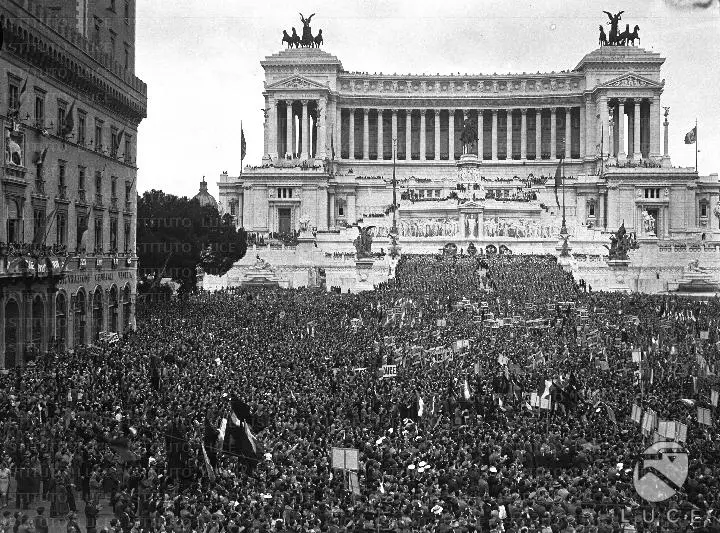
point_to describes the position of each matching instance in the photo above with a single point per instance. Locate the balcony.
(62, 192)
(82, 197)
(98, 200)
(39, 187)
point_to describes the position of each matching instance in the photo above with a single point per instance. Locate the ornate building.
(70, 106)
(331, 137)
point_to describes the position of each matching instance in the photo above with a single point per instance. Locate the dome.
(204, 197)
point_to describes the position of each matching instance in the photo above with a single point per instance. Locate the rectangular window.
(233, 208)
(703, 209)
(113, 141)
(113, 187)
(13, 95)
(81, 179)
(98, 134)
(80, 229)
(98, 183)
(127, 57)
(61, 229)
(81, 128)
(113, 39)
(128, 149)
(14, 230)
(128, 191)
(61, 110)
(113, 234)
(98, 234)
(290, 193)
(38, 226)
(40, 110)
(126, 240)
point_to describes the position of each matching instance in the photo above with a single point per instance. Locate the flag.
(208, 466)
(558, 181)
(691, 136)
(118, 140)
(238, 437)
(243, 145)
(40, 159)
(421, 406)
(332, 144)
(611, 414)
(69, 124)
(466, 390)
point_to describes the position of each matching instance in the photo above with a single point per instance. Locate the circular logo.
(661, 472)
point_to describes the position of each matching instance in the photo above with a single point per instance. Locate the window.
(113, 234)
(113, 39)
(98, 183)
(40, 110)
(126, 240)
(13, 94)
(591, 210)
(98, 234)
(703, 209)
(62, 188)
(81, 228)
(98, 134)
(81, 179)
(127, 57)
(128, 191)
(652, 193)
(233, 208)
(61, 229)
(128, 152)
(113, 141)
(81, 127)
(113, 187)
(38, 225)
(61, 111)
(341, 210)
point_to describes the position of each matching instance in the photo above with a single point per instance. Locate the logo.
(661, 472)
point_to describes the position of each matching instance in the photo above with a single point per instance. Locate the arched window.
(113, 309)
(97, 313)
(79, 319)
(60, 321)
(126, 307)
(12, 334)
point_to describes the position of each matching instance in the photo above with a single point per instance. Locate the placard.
(681, 432)
(636, 356)
(704, 416)
(636, 414)
(714, 396)
(345, 458)
(389, 371)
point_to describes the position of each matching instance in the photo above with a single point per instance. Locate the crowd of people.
(449, 440)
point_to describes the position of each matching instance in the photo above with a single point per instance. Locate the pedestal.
(363, 269)
(469, 158)
(618, 269)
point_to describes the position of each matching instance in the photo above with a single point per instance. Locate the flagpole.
(696, 146)
(242, 155)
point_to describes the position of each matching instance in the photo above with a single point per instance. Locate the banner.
(389, 371)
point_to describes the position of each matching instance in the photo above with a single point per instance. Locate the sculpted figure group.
(307, 40)
(618, 38)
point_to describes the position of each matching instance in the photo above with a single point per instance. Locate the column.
(636, 131)
(568, 133)
(654, 127)
(408, 134)
(366, 134)
(422, 135)
(451, 135)
(322, 127)
(508, 123)
(272, 135)
(494, 134)
(583, 118)
(553, 133)
(351, 134)
(331, 199)
(462, 225)
(380, 143)
(538, 134)
(337, 131)
(605, 125)
(241, 209)
(266, 128)
(289, 129)
(622, 156)
(666, 125)
(437, 135)
(523, 134)
(480, 140)
(305, 129)
(394, 134)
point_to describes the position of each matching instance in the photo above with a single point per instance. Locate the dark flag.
(691, 136)
(241, 410)
(40, 159)
(240, 441)
(69, 124)
(332, 145)
(118, 141)
(243, 145)
(558, 181)
(177, 451)
(120, 446)
(210, 439)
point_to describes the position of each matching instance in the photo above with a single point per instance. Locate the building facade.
(330, 138)
(70, 106)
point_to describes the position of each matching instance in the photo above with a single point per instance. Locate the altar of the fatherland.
(334, 139)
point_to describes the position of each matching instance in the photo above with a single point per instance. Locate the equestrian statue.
(617, 38)
(469, 135)
(307, 40)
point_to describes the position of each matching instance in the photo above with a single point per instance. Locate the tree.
(176, 235)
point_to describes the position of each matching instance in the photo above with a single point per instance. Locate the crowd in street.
(450, 440)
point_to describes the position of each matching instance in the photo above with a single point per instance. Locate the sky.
(201, 61)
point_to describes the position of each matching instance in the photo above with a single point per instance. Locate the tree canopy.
(175, 235)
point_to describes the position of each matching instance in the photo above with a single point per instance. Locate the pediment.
(631, 81)
(296, 82)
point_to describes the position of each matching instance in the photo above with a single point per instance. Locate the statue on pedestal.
(363, 242)
(648, 223)
(620, 244)
(469, 135)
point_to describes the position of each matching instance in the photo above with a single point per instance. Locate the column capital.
(437, 112)
(366, 111)
(394, 111)
(351, 109)
(304, 102)
(422, 112)
(523, 110)
(553, 110)
(452, 111)
(287, 102)
(494, 111)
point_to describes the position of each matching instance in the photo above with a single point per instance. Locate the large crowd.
(450, 440)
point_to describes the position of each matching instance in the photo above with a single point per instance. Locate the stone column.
(273, 136)
(305, 128)
(289, 149)
(568, 133)
(366, 134)
(394, 131)
(508, 141)
(622, 156)
(451, 135)
(523, 134)
(636, 132)
(266, 127)
(480, 140)
(331, 199)
(240, 209)
(351, 134)
(654, 127)
(422, 135)
(462, 225)
(380, 143)
(666, 125)
(322, 127)
(437, 135)
(337, 131)
(605, 125)
(494, 134)
(583, 133)
(538, 134)
(408, 134)
(553, 133)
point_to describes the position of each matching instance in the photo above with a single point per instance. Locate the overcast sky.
(201, 61)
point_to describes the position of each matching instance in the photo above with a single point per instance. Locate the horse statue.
(318, 39)
(614, 19)
(622, 37)
(603, 38)
(633, 35)
(287, 39)
(307, 37)
(469, 134)
(295, 38)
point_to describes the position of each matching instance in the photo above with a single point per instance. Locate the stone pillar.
(241, 209)
(272, 135)
(289, 148)
(351, 218)
(337, 131)
(351, 134)
(322, 128)
(538, 134)
(437, 135)
(266, 128)
(494, 135)
(331, 201)
(366, 134)
(408, 134)
(583, 133)
(666, 125)
(654, 127)
(622, 156)
(422, 135)
(568, 133)
(462, 218)
(394, 131)
(553, 133)
(451, 135)
(305, 127)
(480, 140)
(605, 125)
(508, 142)
(523, 134)
(636, 132)
(380, 143)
